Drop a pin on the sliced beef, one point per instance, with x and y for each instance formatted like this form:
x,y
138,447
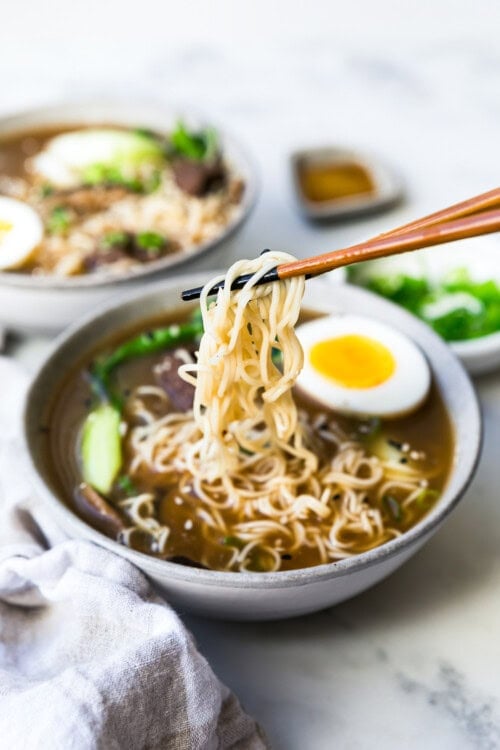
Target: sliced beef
x,y
101,257
98,510
180,393
127,249
197,177
143,255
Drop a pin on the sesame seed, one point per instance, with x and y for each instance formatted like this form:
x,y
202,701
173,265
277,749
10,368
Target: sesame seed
x,y
188,525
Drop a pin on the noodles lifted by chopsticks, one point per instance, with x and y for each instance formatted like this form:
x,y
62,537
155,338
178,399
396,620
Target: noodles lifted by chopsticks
x,y
266,481
243,402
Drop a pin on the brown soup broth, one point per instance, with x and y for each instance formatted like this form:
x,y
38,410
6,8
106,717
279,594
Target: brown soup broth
x,y
428,430
17,149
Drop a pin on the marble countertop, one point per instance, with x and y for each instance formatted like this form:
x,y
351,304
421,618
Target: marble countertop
x,y
414,662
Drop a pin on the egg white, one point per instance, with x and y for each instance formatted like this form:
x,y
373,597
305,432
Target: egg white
x,y
403,392
67,155
26,232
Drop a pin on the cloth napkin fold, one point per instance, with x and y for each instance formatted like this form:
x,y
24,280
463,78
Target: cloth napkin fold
x,y
90,656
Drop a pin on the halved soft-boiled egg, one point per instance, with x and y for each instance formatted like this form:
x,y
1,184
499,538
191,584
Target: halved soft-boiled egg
x,y
91,155
21,230
362,367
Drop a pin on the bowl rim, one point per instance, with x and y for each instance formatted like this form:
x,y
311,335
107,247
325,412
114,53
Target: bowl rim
x,y
279,579
67,109
479,347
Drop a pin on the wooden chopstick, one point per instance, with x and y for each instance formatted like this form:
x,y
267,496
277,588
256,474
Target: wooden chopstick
x,y
394,244
471,218
442,226
471,206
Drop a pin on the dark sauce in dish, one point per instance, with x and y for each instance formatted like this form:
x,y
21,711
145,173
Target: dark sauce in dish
x,y
326,181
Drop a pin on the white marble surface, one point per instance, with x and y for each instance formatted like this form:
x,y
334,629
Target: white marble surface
x,y
414,663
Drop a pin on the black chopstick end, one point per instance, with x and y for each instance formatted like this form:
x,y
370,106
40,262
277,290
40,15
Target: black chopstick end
x,y
191,294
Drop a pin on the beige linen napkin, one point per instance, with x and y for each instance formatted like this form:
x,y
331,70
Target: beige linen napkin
x,y
90,656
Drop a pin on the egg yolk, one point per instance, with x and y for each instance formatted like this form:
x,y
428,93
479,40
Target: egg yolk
x,y
353,361
5,227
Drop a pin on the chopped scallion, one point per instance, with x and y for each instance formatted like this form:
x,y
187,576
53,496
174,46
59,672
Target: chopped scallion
x,y
59,220
197,146
152,242
126,485
114,239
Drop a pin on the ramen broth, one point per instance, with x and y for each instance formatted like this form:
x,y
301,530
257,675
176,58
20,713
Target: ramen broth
x,y
427,433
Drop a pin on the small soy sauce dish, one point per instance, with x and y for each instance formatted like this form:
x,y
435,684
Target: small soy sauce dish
x,y
335,183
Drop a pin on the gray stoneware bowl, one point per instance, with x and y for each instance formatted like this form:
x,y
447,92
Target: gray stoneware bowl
x,y
49,303
260,596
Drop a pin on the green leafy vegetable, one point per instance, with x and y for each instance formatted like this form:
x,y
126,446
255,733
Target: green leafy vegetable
x,y
197,146
457,308
46,190
426,498
277,356
114,239
152,242
152,182
234,541
147,133
126,485
59,220
101,447
386,450
246,452
106,174
149,342
196,317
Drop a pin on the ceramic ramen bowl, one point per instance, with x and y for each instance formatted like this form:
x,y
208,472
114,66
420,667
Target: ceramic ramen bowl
x,y
48,303
259,596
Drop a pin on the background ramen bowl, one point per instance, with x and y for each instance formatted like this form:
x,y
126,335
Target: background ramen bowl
x,y
258,596
48,304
